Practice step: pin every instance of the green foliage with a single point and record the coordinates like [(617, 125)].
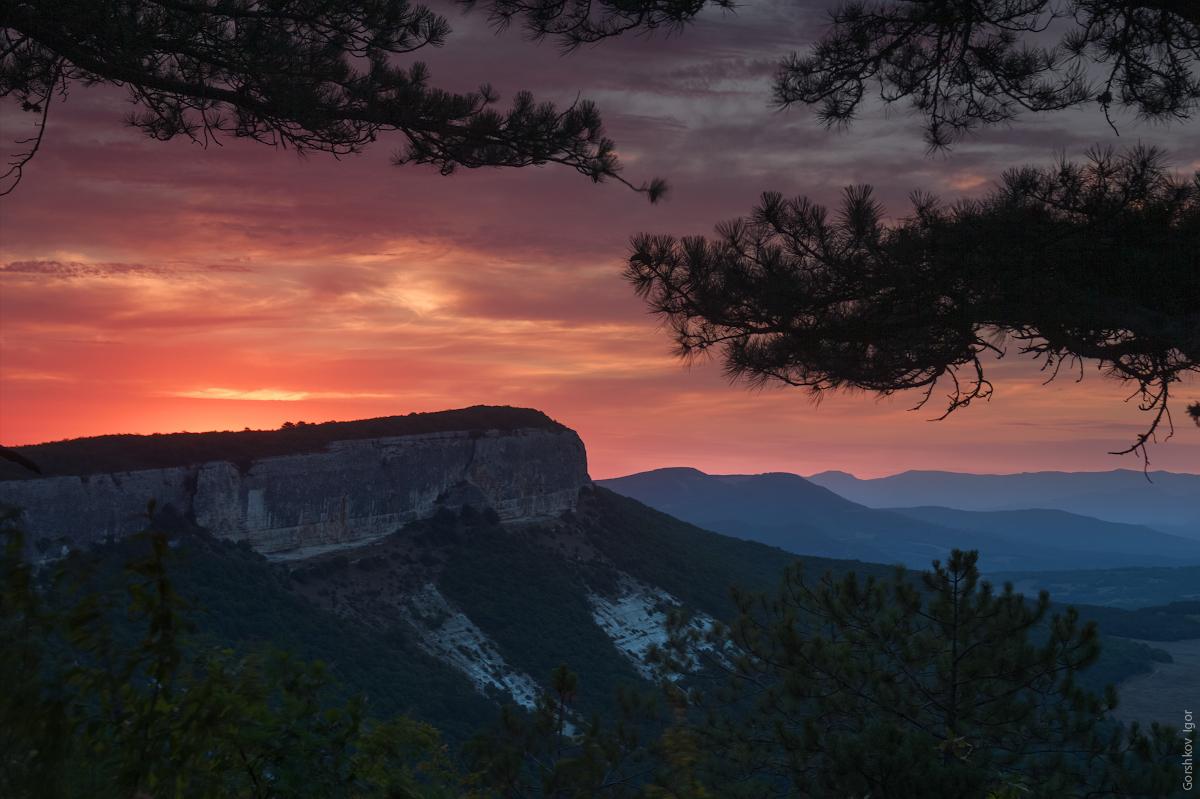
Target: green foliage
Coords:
[(1128, 588), (893, 687), (1055, 260), (1175, 621), (241, 601), (1119, 660), (886, 686), (534, 605), (576, 22), (82, 716), (310, 76), (966, 65), (701, 568), (961, 64), (552, 753)]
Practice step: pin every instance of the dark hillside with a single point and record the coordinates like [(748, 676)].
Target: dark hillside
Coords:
[(696, 565), (1176, 621), (700, 567), (1128, 588), (525, 586), (238, 599)]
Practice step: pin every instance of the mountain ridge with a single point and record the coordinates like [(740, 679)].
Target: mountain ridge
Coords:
[(1167, 501), (126, 452), (787, 510)]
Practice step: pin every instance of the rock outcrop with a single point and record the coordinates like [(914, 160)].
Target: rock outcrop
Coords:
[(348, 492)]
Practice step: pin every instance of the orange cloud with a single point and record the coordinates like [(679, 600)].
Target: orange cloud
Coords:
[(156, 286), (272, 394)]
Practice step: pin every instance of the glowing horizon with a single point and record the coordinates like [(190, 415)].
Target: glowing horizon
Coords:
[(158, 287)]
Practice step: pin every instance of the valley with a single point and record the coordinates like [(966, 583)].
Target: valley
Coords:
[(1164, 693), (445, 566), (452, 616), (1165, 501)]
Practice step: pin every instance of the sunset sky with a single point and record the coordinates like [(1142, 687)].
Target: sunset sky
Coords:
[(154, 287)]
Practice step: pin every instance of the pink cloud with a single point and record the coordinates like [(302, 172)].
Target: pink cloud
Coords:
[(162, 286)]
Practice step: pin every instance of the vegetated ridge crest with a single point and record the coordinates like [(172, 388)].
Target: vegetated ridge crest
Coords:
[(128, 452)]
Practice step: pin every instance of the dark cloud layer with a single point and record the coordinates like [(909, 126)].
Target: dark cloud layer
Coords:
[(158, 286)]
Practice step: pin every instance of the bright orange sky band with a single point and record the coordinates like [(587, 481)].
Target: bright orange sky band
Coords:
[(153, 287)]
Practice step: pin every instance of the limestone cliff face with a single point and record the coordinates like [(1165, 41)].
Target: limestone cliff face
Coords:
[(350, 492)]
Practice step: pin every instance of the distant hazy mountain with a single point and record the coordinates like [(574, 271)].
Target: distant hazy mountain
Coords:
[(1168, 501), (787, 511), (1063, 529)]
